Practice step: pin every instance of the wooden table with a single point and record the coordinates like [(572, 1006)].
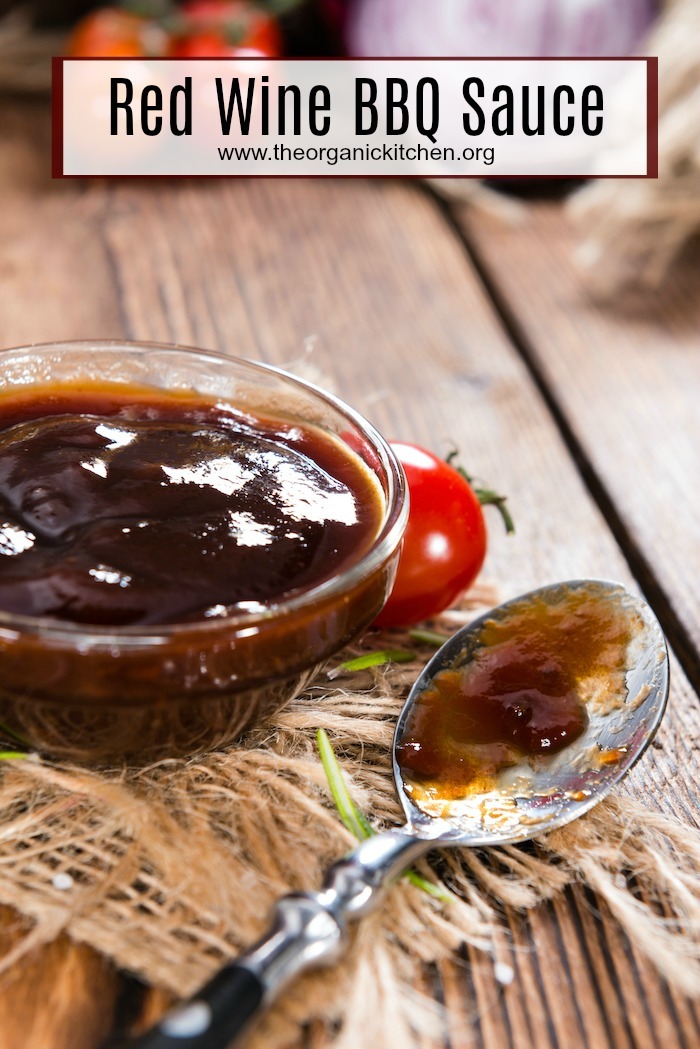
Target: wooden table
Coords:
[(444, 327)]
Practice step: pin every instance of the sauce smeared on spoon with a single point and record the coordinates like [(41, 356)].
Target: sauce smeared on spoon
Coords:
[(523, 694)]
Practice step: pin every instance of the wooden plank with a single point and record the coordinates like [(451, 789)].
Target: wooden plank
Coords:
[(369, 275), (60, 997), (627, 379)]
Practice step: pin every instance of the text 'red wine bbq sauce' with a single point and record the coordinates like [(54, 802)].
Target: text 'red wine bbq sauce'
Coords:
[(519, 697), (123, 506)]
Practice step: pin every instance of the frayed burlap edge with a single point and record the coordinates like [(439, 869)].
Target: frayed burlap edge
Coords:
[(171, 869), (634, 229)]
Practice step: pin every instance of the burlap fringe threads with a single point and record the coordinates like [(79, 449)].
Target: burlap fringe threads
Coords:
[(635, 228), (171, 869)]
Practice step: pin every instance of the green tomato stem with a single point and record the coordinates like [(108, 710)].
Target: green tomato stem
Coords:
[(486, 496)]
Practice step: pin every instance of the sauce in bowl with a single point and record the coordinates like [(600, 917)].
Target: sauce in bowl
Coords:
[(132, 509), (185, 538)]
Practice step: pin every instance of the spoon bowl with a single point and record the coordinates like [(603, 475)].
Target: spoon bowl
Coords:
[(526, 798), (538, 797)]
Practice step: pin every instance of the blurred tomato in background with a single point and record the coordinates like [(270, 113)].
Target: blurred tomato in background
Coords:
[(111, 32), (193, 29), (225, 29)]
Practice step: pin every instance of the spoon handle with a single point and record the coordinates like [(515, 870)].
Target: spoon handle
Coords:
[(308, 930)]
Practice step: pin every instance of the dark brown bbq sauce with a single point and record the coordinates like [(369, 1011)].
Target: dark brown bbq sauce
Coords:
[(123, 506), (520, 696)]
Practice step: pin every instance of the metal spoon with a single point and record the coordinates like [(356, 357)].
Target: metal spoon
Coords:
[(309, 929)]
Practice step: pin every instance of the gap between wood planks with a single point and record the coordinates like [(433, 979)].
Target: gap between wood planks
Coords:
[(679, 639)]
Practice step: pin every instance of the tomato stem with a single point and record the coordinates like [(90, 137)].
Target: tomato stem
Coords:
[(154, 9), (280, 7), (486, 496)]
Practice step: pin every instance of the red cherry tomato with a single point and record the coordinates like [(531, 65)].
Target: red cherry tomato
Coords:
[(109, 33), (208, 44), (202, 29), (445, 541), (211, 11), (226, 29)]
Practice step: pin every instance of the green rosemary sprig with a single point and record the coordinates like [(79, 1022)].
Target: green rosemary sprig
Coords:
[(373, 659), (354, 820)]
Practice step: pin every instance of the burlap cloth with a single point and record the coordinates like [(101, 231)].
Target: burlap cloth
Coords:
[(631, 231), (170, 870)]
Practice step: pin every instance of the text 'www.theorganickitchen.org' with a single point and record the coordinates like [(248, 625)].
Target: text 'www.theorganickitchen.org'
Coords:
[(395, 117)]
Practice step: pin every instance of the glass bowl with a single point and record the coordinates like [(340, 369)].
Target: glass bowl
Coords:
[(100, 694)]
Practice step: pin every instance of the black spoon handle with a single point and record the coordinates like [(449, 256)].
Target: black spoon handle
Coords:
[(215, 1018), (308, 930)]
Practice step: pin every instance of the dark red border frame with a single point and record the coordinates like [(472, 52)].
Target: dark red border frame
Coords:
[(652, 118), (652, 64), (57, 118)]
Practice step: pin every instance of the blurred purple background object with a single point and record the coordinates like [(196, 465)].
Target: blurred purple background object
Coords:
[(482, 28)]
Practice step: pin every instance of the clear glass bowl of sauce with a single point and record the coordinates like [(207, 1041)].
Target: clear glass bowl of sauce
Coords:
[(185, 538)]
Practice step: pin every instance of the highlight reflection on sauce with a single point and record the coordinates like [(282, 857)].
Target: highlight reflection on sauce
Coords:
[(122, 506), (523, 694)]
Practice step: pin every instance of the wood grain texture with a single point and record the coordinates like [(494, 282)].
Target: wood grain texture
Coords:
[(627, 378), (61, 996), (365, 286)]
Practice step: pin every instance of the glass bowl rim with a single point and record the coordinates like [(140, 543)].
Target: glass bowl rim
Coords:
[(386, 541)]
